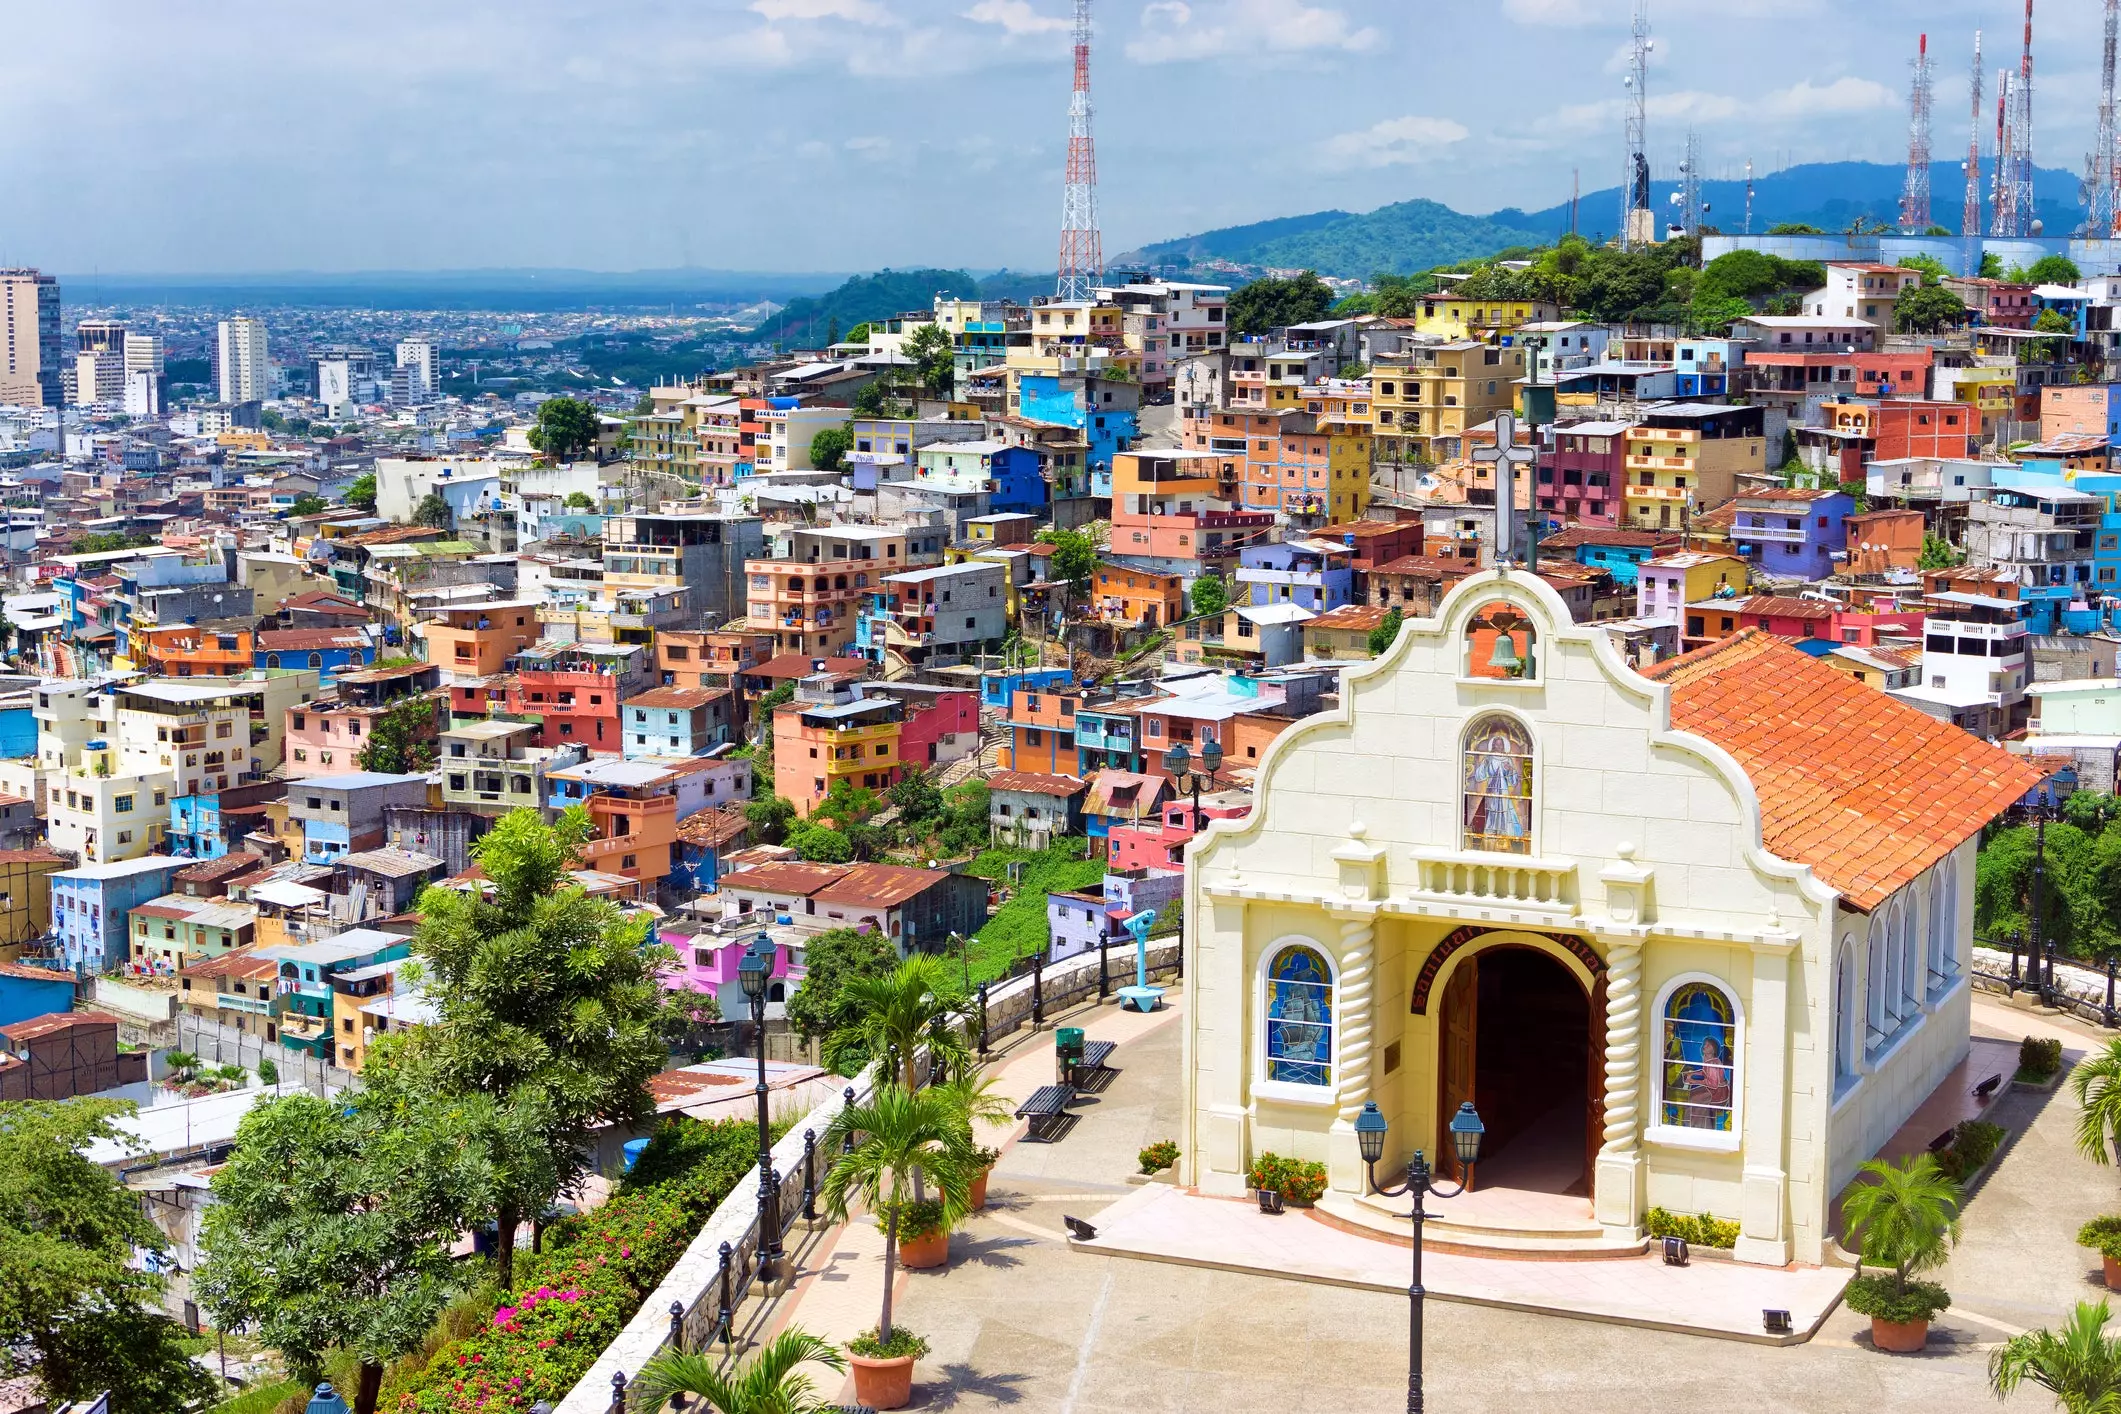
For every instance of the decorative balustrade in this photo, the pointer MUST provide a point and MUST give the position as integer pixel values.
(1505, 880)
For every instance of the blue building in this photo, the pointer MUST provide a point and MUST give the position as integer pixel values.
(89, 905)
(1104, 411)
(1705, 366)
(1009, 475)
(1791, 532)
(307, 971)
(1620, 553)
(1103, 741)
(328, 651)
(1311, 574)
(30, 992)
(996, 688)
(195, 826)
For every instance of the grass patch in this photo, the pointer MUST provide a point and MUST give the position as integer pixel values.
(265, 1399)
(1018, 927)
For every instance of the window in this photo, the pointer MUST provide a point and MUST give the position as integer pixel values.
(1498, 786)
(1299, 1015)
(1699, 1042)
(122, 804)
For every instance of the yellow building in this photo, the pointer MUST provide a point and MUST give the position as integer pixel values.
(1464, 317)
(1343, 400)
(1426, 398)
(1689, 456)
(1992, 390)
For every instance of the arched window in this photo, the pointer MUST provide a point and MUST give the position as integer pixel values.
(1912, 973)
(1698, 1087)
(316, 660)
(1497, 786)
(1874, 984)
(1845, 1011)
(272, 660)
(1299, 1017)
(1944, 924)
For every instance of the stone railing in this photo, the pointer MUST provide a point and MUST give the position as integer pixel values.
(697, 1301)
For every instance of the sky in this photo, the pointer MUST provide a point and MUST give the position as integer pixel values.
(801, 135)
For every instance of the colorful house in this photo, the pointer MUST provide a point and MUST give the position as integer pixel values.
(839, 736)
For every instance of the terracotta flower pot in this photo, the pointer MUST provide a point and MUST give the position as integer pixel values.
(920, 1253)
(2112, 1271)
(979, 1190)
(1900, 1337)
(882, 1384)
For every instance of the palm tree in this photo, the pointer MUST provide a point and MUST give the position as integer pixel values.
(900, 1132)
(1908, 1217)
(903, 1011)
(2081, 1366)
(2096, 1082)
(769, 1383)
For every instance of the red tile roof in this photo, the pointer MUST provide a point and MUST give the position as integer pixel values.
(1359, 617)
(58, 1021)
(1034, 783)
(798, 665)
(1782, 606)
(310, 640)
(783, 877)
(1867, 791)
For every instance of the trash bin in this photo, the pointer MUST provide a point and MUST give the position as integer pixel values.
(1067, 1051)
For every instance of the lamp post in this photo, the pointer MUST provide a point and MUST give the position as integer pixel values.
(2042, 807)
(1178, 765)
(326, 1400)
(755, 971)
(1466, 1130)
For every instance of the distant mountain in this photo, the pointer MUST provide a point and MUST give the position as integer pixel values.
(491, 289)
(811, 322)
(1233, 243)
(1401, 238)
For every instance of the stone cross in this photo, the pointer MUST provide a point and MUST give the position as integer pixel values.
(1506, 456)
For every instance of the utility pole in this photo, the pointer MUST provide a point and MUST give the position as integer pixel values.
(1970, 217)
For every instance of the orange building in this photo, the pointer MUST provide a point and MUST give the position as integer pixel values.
(808, 608)
(1041, 733)
(478, 640)
(194, 650)
(818, 744)
(633, 811)
(1289, 461)
(1174, 508)
(1143, 597)
(702, 658)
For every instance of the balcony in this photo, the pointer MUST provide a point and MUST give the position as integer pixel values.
(1657, 493)
(1475, 879)
(1773, 534)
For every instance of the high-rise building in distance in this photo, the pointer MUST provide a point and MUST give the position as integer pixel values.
(425, 361)
(241, 373)
(146, 380)
(32, 371)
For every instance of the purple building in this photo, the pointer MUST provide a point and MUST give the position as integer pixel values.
(1791, 533)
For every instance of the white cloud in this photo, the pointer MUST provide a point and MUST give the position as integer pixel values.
(861, 12)
(1844, 95)
(1016, 17)
(1568, 13)
(1395, 142)
(868, 146)
(1172, 30)
(1690, 104)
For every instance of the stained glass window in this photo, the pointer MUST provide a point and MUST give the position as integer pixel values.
(1498, 786)
(1299, 1018)
(1700, 1065)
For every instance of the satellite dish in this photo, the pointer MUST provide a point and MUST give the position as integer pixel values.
(1627, 81)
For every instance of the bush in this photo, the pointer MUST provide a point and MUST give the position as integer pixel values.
(2102, 1235)
(268, 1073)
(1298, 1181)
(902, 1342)
(2039, 1056)
(917, 1218)
(1697, 1229)
(1974, 1143)
(1872, 1295)
(1160, 1155)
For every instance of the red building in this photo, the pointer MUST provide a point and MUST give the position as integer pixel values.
(1581, 475)
(931, 723)
(574, 691)
(1854, 435)
(1162, 844)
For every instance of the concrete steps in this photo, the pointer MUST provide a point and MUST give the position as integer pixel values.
(1542, 1231)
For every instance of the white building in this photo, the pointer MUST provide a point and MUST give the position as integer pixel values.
(99, 378)
(1977, 663)
(242, 372)
(1679, 947)
(1859, 290)
(425, 361)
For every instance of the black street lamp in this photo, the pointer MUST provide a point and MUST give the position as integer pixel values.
(755, 971)
(1178, 765)
(2041, 809)
(1466, 1130)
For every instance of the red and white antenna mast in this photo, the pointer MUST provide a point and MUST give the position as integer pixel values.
(1082, 251)
(1915, 193)
(1970, 218)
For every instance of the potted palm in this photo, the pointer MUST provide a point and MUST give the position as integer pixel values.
(2103, 1235)
(2096, 1082)
(1908, 1218)
(2081, 1366)
(897, 1133)
(979, 1100)
(770, 1382)
(912, 1008)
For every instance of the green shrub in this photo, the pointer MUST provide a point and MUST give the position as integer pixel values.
(1299, 1181)
(1160, 1155)
(1697, 1229)
(2102, 1235)
(268, 1073)
(917, 1218)
(902, 1342)
(1974, 1143)
(2039, 1057)
(1872, 1295)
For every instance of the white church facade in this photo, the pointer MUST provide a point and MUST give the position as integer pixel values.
(1697, 940)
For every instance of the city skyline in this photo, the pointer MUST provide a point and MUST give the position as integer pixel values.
(805, 135)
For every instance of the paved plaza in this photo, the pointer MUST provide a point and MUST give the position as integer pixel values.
(1020, 1320)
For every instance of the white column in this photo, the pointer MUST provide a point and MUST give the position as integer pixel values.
(1764, 1230)
(1617, 1192)
(1352, 1027)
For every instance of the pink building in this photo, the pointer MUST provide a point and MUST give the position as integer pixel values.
(940, 726)
(1162, 845)
(707, 963)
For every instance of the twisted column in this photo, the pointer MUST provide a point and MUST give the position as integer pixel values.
(1351, 1029)
(1623, 1046)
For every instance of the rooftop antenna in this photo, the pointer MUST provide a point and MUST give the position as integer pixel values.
(2100, 178)
(1082, 256)
(1915, 192)
(1637, 223)
(1970, 218)
(1749, 196)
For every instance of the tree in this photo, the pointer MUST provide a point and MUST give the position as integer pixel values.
(897, 1134)
(307, 504)
(770, 817)
(836, 957)
(432, 512)
(579, 501)
(1385, 634)
(566, 428)
(819, 844)
(1991, 265)
(847, 804)
(2096, 1084)
(1276, 303)
(859, 334)
(1907, 1215)
(103, 542)
(1074, 556)
(829, 448)
(1210, 594)
(402, 740)
(362, 494)
(2051, 270)
(546, 997)
(896, 1014)
(331, 1229)
(69, 1232)
(1937, 554)
(1933, 270)
(1926, 309)
(770, 1382)
(934, 359)
(2081, 1366)
(873, 399)
(916, 798)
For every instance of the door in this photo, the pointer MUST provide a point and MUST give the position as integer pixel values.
(1457, 1054)
(1594, 1088)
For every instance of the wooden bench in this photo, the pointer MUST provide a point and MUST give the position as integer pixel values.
(1047, 1109)
(1094, 1071)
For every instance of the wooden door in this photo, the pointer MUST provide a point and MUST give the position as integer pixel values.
(1457, 1055)
(1594, 1086)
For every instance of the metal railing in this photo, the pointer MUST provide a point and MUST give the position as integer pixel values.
(2037, 973)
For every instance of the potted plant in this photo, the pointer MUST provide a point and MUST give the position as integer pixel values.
(897, 1132)
(988, 1158)
(979, 1101)
(2081, 1366)
(1297, 1182)
(1157, 1157)
(2103, 1235)
(1908, 1218)
(771, 1382)
(923, 1237)
(2096, 1083)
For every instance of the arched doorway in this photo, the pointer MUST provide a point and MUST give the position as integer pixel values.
(1515, 1038)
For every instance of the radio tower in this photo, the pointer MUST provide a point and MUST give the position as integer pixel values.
(1970, 218)
(2100, 177)
(2022, 136)
(1082, 251)
(2002, 220)
(1915, 193)
(1637, 225)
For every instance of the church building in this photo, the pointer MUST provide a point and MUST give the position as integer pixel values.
(1698, 939)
